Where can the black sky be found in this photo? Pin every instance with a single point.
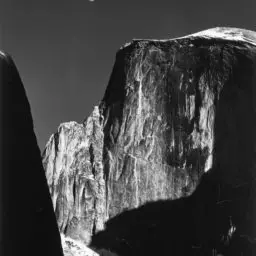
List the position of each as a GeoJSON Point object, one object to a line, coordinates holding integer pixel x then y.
{"type": "Point", "coordinates": [65, 50]}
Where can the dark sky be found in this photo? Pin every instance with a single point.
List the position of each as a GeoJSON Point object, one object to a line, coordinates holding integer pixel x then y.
{"type": "Point", "coordinates": [65, 50]}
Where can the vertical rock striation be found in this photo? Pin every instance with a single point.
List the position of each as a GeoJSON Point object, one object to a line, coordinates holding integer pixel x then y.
{"type": "Point", "coordinates": [173, 110]}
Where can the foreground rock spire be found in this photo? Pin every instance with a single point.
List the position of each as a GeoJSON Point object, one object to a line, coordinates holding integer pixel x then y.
{"type": "Point", "coordinates": [173, 111]}
{"type": "Point", "coordinates": [28, 225]}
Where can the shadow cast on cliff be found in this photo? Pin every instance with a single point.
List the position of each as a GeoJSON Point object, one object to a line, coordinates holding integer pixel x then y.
{"type": "Point", "coordinates": [214, 220]}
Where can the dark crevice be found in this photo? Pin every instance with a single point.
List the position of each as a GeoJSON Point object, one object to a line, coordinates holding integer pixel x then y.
{"type": "Point", "coordinates": [74, 190]}
{"type": "Point", "coordinates": [95, 218]}
{"type": "Point", "coordinates": [65, 229]}
{"type": "Point", "coordinates": [91, 151]}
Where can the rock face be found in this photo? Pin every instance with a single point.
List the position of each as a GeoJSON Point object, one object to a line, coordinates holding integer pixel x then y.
{"type": "Point", "coordinates": [28, 224]}
{"type": "Point", "coordinates": [173, 110]}
{"type": "Point", "coordinates": [74, 168]}
{"type": "Point", "coordinates": [215, 220]}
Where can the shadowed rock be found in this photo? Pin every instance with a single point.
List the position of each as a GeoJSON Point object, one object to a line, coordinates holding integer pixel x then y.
{"type": "Point", "coordinates": [215, 220]}
{"type": "Point", "coordinates": [28, 223]}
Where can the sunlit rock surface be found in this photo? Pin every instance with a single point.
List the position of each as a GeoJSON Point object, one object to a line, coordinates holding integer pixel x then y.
{"type": "Point", "coordinates": [27, 221]}
{"type": "Point", "coordinates": [74, 169]}
{"type": "Point", "coordinates": [173, 110]}
{"type": "Point", "coordinates": [75, 248]}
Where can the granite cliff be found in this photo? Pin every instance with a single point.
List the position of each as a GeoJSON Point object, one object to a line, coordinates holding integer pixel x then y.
{"type": "Point", "coordinates": [173, 110]}
{"type": "Point", "coordinates": [74, 169]}
{"type": "Point", "coordinates": [27, 222]}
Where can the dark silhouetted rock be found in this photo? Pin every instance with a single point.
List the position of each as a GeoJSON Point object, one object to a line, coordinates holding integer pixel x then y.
{"type": "Point", "coordinates": [173, 110]}
{"type": "Point", "coordinates": [28, 223]}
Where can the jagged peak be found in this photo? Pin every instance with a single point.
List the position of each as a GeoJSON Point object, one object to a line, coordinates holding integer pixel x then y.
{"type": "Point", "coordinates": [94, 115]}
{"type": "Point", "coordinates": [73, 124]}
{"type": "Point", "coordinates": [68, 125]}
{"type": "Point", "coordinates": [96, 111]}
{"type": "Point", "coordinates": [226, 33]}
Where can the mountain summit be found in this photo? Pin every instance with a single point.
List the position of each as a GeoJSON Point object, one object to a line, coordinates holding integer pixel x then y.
{"type": "Point", "coordinates": [174, 111]}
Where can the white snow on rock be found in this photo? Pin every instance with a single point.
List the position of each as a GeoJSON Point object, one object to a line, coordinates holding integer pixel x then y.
{"type": "Point", "coordinates": [73, 247]}
{"type": "Point", "coordinates": [227, 33]}
{"type": "Point", "coordinates": [234, 34]}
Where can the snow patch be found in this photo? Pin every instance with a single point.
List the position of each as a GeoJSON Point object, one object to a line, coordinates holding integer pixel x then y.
{"type": "Point", "coordinates": [226, 33]}
{"type": "Point", "coordinates": [233, 34]}
{"type": "Point", "coordinates": [72, 247]}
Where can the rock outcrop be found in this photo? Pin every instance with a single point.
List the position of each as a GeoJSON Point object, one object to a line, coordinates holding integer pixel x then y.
{"type": "Point", "coordinates": [172, 111]}
{"type": "Point", "coordinates": [74, 168]}
{"type": "Point", "coordinates": [28, 223]}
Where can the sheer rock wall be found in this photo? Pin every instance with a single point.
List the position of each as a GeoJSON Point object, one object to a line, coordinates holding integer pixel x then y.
{"type": "Point", "coordinates": [173, 109]}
